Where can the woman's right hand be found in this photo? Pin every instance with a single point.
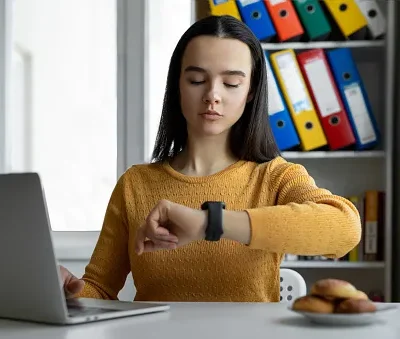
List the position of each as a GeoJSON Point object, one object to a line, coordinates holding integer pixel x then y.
{"type": "Point", "coordinates": [72, 285]}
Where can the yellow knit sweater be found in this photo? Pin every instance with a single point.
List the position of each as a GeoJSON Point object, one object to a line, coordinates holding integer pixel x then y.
{"type": "Point", "coordinates": [288, 214]}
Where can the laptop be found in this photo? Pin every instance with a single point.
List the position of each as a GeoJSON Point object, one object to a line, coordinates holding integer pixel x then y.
{"type": "Point", "coordinates": [30, 283]}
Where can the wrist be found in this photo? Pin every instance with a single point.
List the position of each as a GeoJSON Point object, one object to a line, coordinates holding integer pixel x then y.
{"type": "Point", "coordinates": [200, 220]}
{"type": "Point", "coordinates": [195, 219]}
{"type": "Point", "coordinates": [236, 226]}
{"type": "Point", "coordinates": [227, 225]}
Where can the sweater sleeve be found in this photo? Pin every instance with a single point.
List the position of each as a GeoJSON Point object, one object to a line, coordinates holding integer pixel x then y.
{"type": "Point", "coordinates": [303, 219]}
{"type": "Point", "coordinates": [109, 266]}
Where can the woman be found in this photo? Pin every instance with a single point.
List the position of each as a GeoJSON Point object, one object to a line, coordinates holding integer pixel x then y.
{"type": "Point", "coordinates": [214, 144]}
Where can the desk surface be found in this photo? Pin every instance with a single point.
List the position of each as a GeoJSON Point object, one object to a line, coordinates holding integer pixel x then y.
{"type": "Point", "coordinates": [205, 320]}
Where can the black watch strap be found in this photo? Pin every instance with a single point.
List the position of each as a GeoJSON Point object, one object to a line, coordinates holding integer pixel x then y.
{"type": "Point", "coordinates": [214, 229]}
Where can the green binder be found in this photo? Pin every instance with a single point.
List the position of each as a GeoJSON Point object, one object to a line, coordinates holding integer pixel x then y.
{"type": "Point", "coordinates": [313, 19]}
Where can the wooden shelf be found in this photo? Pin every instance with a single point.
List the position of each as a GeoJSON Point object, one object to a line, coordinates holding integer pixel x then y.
{"type": "Point", "coordinates": [333, 154]}
{"type": "Point", "coordinates": [331, 264]}
{"type": "Point", "coordinates": [323, 44]}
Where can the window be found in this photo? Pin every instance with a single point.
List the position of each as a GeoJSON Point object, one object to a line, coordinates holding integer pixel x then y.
{"type": "Point", "coordinates": [167, 21]}
{"type": "Point", "coordinates": [62, 117]}
{"type": "Point", "coordinates": [85, 100]}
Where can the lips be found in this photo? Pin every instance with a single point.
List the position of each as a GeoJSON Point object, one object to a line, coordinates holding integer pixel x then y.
{"type": "Point", "coordinates": [212, 113]}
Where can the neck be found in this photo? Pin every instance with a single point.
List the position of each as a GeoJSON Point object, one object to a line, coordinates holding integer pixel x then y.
{"type": "Point", "coordinates": [204, 156]}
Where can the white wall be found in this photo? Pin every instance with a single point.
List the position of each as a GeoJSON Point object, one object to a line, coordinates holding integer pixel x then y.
{"type": "Point", "coordinates": [5, 41]}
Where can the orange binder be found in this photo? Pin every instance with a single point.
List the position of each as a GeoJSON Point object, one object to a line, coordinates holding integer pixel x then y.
{"type": "Point", "coordinates": [286, 21]}
{"type": "Point", "coordinates": [371, 213]}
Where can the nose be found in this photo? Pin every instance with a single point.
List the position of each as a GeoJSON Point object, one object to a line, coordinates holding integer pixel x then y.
{"type": "Point", "coordinates": [211, 97]}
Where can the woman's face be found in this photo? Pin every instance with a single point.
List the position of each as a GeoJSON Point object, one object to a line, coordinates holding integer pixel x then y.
{"type": "Point", "coordinates": [214, 84]}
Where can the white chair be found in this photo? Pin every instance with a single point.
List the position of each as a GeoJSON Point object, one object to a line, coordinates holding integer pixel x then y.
{"type": "Point", "coordinates": [292, 285]}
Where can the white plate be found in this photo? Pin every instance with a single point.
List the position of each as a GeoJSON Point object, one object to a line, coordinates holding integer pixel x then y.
{"type": "Point", "coordinates": [383, 310]}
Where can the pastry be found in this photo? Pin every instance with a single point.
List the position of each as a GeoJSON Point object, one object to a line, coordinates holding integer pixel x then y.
{"type": "Point", "coordinates": [335, 289]}
{"type": "Point", "coordinates": [355, 306]}
{"type": "Point", "coordinates": [309, 303]}
{"type": "Point", "coordinates": [334, 296]}
{"type": "Point", "coordinates": [360, 295]}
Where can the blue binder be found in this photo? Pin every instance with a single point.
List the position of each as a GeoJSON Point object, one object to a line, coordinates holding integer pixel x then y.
{"type": "Point", "coordinates": [281, 123]}
{"type": "Point", "coordinates": [355, 97]}
{"type": "Point", "coordinates": [254, 14]}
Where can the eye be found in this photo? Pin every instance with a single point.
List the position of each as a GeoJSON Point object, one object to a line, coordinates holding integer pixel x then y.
{"type": "Point", "coordinates": [231, 86]}
{"type": "Point", "coordinates": [196, 82]}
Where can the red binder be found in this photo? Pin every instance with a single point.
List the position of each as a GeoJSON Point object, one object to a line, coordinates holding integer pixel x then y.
{"type": "Point", "coordinates": [286, 21]}
{"type": "Point", "coordinates": [326, 98]}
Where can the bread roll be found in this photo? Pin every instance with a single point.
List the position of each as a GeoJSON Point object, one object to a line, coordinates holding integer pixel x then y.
{"type": "Point", "coordinates": [360, 295]}
{"type": "Point", "coordinates": [335, 289]}
{"type": "Point", "coordinates": [355, 306]}
{"type": "Point", "coordinates": [309, 303]}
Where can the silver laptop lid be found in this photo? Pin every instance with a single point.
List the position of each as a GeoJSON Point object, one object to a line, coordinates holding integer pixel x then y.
{"type": "Point", "coordinates": [30, 286]}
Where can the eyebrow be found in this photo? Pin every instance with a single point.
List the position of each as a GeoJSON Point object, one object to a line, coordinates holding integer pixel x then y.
{"type": "Point", "coordinates": [202, 70]}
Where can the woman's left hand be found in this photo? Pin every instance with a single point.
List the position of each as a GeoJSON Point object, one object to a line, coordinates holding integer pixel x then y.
{"type": "Point", "coordinates": [170, 225]}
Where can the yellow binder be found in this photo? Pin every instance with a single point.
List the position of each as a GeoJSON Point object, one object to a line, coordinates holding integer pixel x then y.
{"type": "Point", "coordinates": [298, 99]}
{"type": "Point", "coordinates": [347, 16]}
{"type": "Point", "coordinates": [224, 7]}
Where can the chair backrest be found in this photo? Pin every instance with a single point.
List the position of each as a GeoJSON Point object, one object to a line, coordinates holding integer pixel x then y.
{"type": "Point", "coordinates": [292, 285]}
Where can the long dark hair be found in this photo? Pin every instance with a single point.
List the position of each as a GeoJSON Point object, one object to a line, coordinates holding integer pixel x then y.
{"type": "Point", "coordinates": [251, 137]}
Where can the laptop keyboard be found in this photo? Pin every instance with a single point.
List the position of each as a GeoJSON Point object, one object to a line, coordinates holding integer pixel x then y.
{"type": "Point", "coordinates": [79, 311]}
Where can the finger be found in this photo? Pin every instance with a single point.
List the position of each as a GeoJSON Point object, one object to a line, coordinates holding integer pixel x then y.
{"type": "Point", "coordinates": [74, 287]}
{"type": "Point", "coordinates": [140, 239]}
{"type": "Point", "coordinates": [67, 293]}
{"type": "Point", "coordinates": [169, 237]}
{"type": "Point", "coordinates": [161, 231]}
{"type": "Point", "coordinates": [157, 217]}
{"type": "Point", "coordinates": [163, 244]}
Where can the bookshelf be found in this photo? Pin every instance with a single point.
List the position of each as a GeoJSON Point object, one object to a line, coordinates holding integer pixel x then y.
{"type": "Point", "coordinates": [336, 154]}
{"type": "Point", "coordinates": [348, 172]}
{"type": "Point", "coordinates": [323, 44]}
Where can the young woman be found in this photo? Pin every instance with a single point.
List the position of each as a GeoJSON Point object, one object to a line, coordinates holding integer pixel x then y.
{"type": "Point", "coordinates": [214, 145]}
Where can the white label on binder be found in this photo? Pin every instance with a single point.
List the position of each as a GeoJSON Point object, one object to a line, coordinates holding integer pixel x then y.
{"type": "Point", "coordinates": [275, 104]}
{"type": "Point", "coordinates": [247, 2]}
{"type": "Point", "coordinates": [322, 87]}
{"type": "Point", "coordinates": [276, 2]}
{"type": "Point", "coordinates": [219, 2]}
{"type": "Point", "coordinates": [360, 114]}
{"type": "Point", "coordinates": [292, 80]}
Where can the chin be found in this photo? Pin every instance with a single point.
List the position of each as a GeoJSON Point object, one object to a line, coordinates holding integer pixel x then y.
{"type": "Point", "coordinates": [212, 130]}
{"type": "Point", "coordinates": [207, 129]}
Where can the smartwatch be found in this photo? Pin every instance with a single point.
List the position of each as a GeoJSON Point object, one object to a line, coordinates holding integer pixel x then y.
{"type": "Point", "coordinates": [214, 228]}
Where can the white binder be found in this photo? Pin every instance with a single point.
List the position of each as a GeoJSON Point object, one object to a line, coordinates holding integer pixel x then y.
{"type": "Point", "coordinates": [375, 17]}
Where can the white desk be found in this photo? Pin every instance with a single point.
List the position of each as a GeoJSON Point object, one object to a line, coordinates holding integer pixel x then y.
{"type": "Point", "coordinates": [205, 320]}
